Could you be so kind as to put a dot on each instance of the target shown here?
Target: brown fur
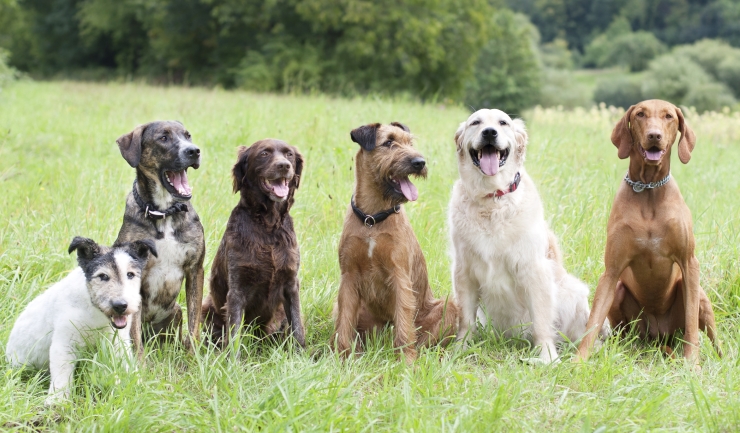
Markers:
(254, 276)
(391, 284)
(652, 274)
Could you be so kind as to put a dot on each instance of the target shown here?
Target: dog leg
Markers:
(61, 367)
(194, 299)
(136, 336)
(403, 317)
(706, 321)
(603, 300)
(691, 299)
(292, 306)
(438, 324)
(467, 297)
(348, 306)
(536, 281)
(236, 301)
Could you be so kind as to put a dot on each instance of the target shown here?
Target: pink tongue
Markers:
(489, 161)
(408, 189)
(180, 182)
(279, 187)
(653, 155)
(119, 321)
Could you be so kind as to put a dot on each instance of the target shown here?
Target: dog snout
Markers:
(283, 165)
(119, 306)
(489, 133)
(418, 163)
(654, 135)
(192, 152)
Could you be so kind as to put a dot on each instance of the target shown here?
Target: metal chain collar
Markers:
(638, 186)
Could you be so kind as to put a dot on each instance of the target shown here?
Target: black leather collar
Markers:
(151, 212)
(371, 220)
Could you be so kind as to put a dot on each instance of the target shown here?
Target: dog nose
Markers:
(654, 135)
(418, 163)
(489, 133)
(192, 152)
(283, 165)
(119, 306)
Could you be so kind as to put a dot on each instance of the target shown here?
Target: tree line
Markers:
(478, 52)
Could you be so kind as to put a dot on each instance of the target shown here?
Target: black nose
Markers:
(489, 133)
(283, 165)
(119, 306)
(418, 163)
(192, 152)
(655, 136)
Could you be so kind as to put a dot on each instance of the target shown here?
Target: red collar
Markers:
(512, 187)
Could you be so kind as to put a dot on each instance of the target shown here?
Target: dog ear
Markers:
(402, 126)
(87, 250)
(142, 248)
(365, 136)
(622, 136)
(520, 131)
(298, 167)
(130, 145)
(459, 134)
(688, 138)
(239, 172)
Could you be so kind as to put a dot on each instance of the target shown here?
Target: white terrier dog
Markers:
(102, 291)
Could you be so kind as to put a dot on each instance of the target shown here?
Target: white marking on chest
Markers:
(371, 246)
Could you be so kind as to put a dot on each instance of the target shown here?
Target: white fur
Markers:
(500, 246)
(60, 321)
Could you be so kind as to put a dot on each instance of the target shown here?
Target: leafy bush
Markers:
(559, 88)
(619, 91)
(633, 50)
(556, 55)
(671, 77)
(729, 73)
(7, 74)
(707, 53)
(508, 74)
(709, 97)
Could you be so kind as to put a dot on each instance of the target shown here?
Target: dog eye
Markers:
(289, 154)
(163, 138)
(668, 116)
(475, 122)
(130, 275)
(263, 153)
(187, 135)
(502, 123)
(640, 114)
(104, 277)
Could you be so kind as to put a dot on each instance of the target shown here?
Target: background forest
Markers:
(510, 54)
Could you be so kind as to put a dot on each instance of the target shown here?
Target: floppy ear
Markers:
(622, 136)
(239, 172)
(458, 136)
(142, 248)
(365, 136)
(520, 131)
(402, 126)
(298, 167)
(130, 145)
(688, 138)
(86, 248)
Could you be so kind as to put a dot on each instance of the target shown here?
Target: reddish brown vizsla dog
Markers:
(652, 274)
(384, 274)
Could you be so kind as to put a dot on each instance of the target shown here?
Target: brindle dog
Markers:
(159, 208)
(384, 275)
(254, 277)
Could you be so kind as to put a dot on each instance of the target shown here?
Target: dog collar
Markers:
(151, 212)
(512, 187)
(638, 186)
(371, 220)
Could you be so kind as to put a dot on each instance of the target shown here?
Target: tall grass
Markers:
(61, 175)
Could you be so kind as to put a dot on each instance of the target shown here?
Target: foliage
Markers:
(671, 77)
(560, 89)
(508, 73)
(632, 50)
(728, 72)
(7, 74)
(556, 55)
(710, 96)
(62, 175)
(621, 91)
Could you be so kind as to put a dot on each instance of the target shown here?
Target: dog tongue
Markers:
(179, 180)
(279, 187)
(119, 321)
(653, 155)
(408, 189)
(489, 161)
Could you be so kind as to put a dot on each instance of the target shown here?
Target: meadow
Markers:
(61, 175)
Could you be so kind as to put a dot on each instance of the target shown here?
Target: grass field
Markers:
(61, 175)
